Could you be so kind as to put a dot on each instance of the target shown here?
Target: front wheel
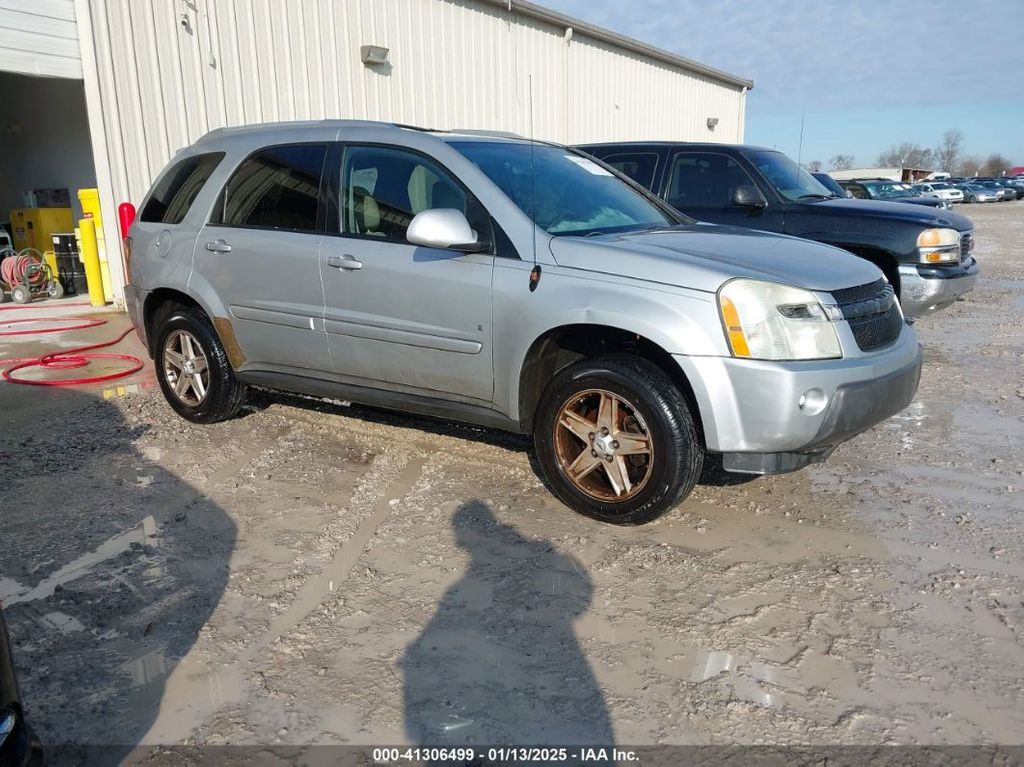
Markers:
(616, 440)
(193, 369)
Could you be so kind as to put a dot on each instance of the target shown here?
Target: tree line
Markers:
(947, 156)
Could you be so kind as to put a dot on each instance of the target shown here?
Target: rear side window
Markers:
(276, 188)
(705, 180)
(178, 189)
(639, 166)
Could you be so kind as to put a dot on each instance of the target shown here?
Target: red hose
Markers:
(69, 359)
(14, 268)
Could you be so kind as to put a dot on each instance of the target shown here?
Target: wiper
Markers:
(817, 196)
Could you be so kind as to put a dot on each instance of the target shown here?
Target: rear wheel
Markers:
(192, 368)
(616, 440)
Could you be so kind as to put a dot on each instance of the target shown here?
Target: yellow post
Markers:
(91, 258)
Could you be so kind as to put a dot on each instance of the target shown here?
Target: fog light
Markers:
(813, 401)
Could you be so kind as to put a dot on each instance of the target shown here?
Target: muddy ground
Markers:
(314, 573)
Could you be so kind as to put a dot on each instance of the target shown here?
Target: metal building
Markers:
(128, 82)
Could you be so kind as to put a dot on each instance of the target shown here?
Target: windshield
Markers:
(564, 193)
(889, 191)
(789, 179)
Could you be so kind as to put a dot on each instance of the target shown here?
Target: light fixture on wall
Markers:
(712, 122)
(373, 55)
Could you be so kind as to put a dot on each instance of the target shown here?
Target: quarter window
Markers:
(276, 188)
(639, 166)
(705, 180)
(177, 190)
(383, 188)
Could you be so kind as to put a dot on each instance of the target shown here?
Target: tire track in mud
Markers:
(201, 688)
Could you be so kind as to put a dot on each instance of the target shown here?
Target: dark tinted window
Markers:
(705, 180)
(276, 188)
(382, 188)
(857, 191)
(178, 188)
(638, 166)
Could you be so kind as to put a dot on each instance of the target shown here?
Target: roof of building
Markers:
(620, 41)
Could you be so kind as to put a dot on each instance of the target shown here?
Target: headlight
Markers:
(768, 321)
(8, 721)
(939, 246)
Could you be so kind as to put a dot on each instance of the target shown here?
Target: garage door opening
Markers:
(44, 146)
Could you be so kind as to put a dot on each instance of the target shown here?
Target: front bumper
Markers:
(924, 289)
(751, 411)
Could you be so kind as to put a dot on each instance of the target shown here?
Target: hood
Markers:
(704, 256)
(921, 215)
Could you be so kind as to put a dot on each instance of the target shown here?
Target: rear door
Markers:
(260, 252)
(402, 316)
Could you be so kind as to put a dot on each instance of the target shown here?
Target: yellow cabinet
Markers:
(35, 227)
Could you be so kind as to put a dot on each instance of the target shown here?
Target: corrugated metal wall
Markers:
(39, 37)
(168, 71)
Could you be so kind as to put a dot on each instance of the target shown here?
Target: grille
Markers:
(966, 240)
(873, 314)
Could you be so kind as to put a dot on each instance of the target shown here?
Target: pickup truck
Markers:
(924, 253)
(517, 285)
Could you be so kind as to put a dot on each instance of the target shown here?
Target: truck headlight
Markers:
(939, 246)
(768, 321)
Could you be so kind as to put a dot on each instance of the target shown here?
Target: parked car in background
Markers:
(764, 189)
(977, 193)
(831, 184)
(941, 190)
(19, 746)
(1003, 194)
(1017, 187)
(518, 285)
(889, 191)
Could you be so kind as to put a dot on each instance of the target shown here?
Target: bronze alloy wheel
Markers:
(603, 445)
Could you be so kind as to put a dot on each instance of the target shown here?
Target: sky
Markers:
(863, 75)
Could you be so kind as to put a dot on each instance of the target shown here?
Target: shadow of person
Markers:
(110, 566)
(499, 663)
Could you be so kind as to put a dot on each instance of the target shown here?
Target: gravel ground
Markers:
(313, 573)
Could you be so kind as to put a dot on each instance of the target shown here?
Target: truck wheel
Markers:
(616, 440)
(193, 370)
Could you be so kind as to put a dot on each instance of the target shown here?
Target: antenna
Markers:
(800, 147)
(535, 272)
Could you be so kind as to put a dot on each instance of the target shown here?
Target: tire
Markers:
(650, 406)
(21, 294)
(210, 393)
(56, 290)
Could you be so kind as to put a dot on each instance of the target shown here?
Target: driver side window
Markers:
(383, 188)
(705, 180)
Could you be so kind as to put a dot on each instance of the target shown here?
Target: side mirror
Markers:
(749, 196)
(443, 228)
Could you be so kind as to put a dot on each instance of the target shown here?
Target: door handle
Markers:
(347, 262)
(218, 246)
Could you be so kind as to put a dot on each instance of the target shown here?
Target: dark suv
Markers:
(925, 253)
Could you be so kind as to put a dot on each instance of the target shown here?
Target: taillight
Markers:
(126, 248)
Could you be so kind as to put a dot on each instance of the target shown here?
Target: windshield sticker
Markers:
(588, 165)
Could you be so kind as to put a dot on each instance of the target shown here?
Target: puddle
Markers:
(66, 624)
(11, 592)
(148, 668)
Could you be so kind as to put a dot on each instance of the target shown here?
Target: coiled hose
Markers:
(18, 268)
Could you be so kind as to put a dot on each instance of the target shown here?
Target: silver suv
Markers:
(519, 285)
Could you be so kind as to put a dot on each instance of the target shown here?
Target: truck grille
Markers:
(873, 314)
(966, 245)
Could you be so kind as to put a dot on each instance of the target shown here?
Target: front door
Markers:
(702, 184)
(402, 316)
(261, 254)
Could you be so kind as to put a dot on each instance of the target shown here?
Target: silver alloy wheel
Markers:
(186, 369)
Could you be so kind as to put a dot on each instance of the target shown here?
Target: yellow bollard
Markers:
(91, 258)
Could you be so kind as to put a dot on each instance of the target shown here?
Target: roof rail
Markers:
(481, 132)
